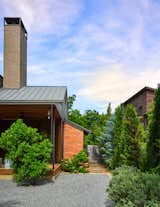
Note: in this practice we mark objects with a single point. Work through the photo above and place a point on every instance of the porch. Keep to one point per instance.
(44, 117)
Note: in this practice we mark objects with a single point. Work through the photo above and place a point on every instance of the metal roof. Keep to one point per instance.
(33, 94)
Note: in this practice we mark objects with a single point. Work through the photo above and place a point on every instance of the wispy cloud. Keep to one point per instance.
(104, 51)
(50, 16)
(116, 85)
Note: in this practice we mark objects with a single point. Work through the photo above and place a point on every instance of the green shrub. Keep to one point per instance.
(73, 164)
(131, 187)
(153, 145)
(28, 151)
(80, 157)
(131, 136)
(106, 142)
(118, 125)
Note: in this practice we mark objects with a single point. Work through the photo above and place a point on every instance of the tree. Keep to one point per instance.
(131, 136)
(119, 114)
(106, 142)
(70, 102)
(76, 117)
(28, 151)
(153, 145)
(91, 119)
(109, 110)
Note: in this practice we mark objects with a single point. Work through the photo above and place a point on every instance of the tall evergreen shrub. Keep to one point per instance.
(153, 146)
(131, 136)
(118, 122)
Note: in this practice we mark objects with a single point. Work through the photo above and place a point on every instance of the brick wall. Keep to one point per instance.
(73, 141)
(15, 57)
(142, 102)
(139, 102)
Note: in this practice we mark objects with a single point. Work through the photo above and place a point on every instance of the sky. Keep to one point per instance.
(102, 50)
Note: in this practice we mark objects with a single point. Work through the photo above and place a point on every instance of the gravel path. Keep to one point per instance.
(69, 190)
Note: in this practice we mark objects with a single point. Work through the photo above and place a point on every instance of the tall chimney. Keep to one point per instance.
(15, 53)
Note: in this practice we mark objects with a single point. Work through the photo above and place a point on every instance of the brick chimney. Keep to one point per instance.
(15, 53)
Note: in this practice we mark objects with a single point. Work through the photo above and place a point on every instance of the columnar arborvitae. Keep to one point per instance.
(131, 136)
(119, 113)
(153, 145)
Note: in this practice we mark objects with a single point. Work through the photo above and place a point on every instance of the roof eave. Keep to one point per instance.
(146, 88)
(30, 102)
(86, 131)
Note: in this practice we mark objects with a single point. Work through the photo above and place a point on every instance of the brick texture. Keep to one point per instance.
(139, 102)
(73, 141)
(15, 57)
(142, 103)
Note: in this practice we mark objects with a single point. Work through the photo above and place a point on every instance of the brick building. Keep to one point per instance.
(73, 138)
(142, 101)
(42, 107)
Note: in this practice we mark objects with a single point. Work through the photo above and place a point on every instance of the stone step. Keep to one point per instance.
(97, 168)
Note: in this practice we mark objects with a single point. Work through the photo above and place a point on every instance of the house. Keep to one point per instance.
(42, 107)
(142, 101)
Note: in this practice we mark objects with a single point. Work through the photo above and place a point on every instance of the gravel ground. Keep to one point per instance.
(69, 190)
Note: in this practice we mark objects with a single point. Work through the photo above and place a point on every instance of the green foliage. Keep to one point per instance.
(76, 117)
(153, 146)
(143, 156)
(118, 123)
(131, 187)
(131, 136)
(72, 165)
(109, 110)
(89, 140)
(81, 157)
(91, 119)
(70, 102)
(106, 142)
(28, 151)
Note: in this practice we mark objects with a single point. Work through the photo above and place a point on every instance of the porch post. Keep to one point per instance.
(53, 135)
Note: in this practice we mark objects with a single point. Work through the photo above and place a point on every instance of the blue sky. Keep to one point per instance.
(103, 51)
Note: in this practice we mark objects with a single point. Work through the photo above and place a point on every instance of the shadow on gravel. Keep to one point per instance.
(36, 183)
(108, 203)
(9, 204)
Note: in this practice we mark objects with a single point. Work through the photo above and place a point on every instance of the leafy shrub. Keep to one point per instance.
(81, 157)
(73, 164)
(28, 151)
(131, 187)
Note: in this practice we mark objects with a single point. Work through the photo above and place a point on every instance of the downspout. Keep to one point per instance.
(53, 135)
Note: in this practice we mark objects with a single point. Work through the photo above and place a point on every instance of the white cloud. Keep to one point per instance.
(115, 85)
(51, 16)
(105, 53)
(36, 69)
(1, 57)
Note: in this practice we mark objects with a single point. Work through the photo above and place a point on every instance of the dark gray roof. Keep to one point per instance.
(33, 94)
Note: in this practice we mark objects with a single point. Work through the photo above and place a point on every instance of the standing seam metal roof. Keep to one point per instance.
(33, 94)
